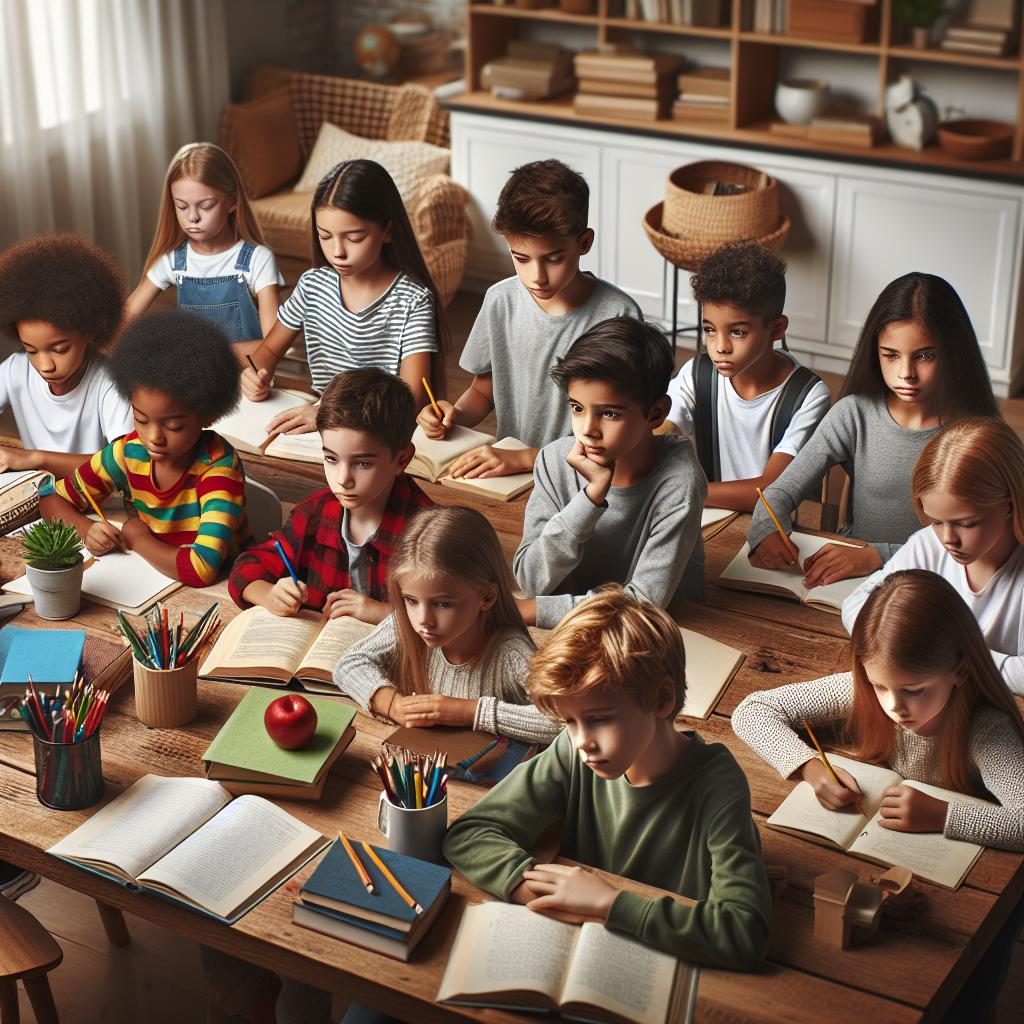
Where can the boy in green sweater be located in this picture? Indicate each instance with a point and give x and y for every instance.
(634, 796)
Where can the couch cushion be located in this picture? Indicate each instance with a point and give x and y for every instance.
(284, 218)
(262, 138)
(408, 163)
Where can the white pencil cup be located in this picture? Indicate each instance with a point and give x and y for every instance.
(415, 832)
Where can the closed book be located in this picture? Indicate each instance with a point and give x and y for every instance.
(697, 99)
(628, 107)
(983, 49)
(609, 87)
(618, 65)
(701, 114)
(51, 656)
(977, 33)
(707, 81)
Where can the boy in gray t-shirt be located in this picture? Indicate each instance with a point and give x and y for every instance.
(528, 321)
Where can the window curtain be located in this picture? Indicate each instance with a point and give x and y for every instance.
(95, 98)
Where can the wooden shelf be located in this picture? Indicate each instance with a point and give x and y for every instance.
(677, 30)
(777, 39)
(543, 14)
(967, 60)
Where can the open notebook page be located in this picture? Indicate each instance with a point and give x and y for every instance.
(248, 423)
(710, 664)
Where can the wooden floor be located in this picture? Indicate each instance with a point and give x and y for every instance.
(157, 979)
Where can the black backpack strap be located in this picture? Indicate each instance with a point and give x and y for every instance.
(705, 415)
(795, 390)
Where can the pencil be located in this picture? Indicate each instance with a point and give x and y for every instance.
(252, 363)
(89, 498)
(433, 400)
(394, 882)
(825, 761)
(357, 864)
(287, 564)
(790, 546)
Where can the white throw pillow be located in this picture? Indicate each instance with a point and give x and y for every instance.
(408, 163)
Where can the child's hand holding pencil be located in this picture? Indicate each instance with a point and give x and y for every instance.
(437, 418)
(835, 788)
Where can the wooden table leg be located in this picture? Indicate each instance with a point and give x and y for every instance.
(9, 1001)
(41, 998)
(113, 924)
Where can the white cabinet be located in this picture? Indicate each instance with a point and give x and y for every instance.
(855, 228)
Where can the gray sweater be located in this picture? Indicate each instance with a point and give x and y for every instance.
(859, 434)
(646, 536)
(495, 680)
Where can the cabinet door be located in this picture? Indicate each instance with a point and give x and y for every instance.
(484, 154)
(885, 229)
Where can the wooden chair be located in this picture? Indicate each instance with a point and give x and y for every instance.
(27, 954)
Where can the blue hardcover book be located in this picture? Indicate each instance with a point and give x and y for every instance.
(335, 885)
(50, 656)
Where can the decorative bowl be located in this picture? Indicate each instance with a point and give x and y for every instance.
(800, 100)
(975, 139)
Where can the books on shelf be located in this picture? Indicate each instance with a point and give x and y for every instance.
(848, 129)
(244, 759)
(984, 40)
(702, 13)
(508, 956)
(627, 65)
(533, 70)
(704, 113)
(634, 108)
(705, 82)
(334, 900)
(741, 575)
(930, 855)
(246, 428)
(610, 87)
(257, 646)
(188, 841)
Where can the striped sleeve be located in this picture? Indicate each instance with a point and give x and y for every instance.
(292, 312)
(418, 333)
(103, 474)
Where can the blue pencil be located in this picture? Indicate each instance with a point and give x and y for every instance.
(287, 564)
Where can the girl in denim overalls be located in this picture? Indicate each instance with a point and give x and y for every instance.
(209, 245)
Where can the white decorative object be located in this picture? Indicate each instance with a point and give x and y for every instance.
(911, 118)
(800, 100)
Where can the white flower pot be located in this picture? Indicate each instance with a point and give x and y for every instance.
(57, 592)
(800, 100)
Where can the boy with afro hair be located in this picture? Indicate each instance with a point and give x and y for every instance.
(748, 406)
(184, 482)
(60, 303)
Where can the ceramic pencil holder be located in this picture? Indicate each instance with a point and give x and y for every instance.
(165, 697)
(69, 776)
(414, 831)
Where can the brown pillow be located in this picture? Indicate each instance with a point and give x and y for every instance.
(263, 140)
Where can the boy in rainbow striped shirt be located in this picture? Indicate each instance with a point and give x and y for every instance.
(184, 482)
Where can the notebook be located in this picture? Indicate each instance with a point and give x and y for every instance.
(51, 656)
(246, 427)
(715, 520)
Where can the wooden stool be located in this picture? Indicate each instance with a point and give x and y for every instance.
(27, 953)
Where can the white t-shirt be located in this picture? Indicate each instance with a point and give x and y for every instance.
(84, 420)
(998, 606)
(744, 425)
(262, 267)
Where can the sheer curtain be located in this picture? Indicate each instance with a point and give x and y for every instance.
(95, 97)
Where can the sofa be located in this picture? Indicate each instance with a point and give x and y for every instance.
(272, 133)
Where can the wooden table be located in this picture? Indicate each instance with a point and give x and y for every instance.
(909, 972)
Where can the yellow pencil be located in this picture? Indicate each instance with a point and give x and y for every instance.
(790, 546)
(417, 783)
(433, 400)
(828, 764)
(364, 875)
(89, 498)
(394, 882)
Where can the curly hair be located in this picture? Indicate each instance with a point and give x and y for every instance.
(746, 275)
(183, 355)
(61, 280)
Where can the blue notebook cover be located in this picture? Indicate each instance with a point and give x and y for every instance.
(335, 878)
(358, 922)
(49, 655)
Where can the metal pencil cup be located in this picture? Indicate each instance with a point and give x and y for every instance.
(69, 776)
(165, 697)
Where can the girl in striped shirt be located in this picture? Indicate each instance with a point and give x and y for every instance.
(368, 301)
(184, 483)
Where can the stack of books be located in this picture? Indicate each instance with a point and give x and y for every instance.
(625, 83)
(703, 96)
(984, 40)
(407, 897)
(846, 129)
(529, 71)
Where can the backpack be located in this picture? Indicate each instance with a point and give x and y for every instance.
(705, 417)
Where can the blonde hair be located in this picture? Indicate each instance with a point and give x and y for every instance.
(447, 543)
(897, 626)
(213, 167)
(610, 640)
(979, 460)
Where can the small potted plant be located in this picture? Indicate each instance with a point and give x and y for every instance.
(54, 566)
(919, 16)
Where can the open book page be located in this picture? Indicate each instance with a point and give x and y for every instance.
(710, 665)
(801, 810)
(714, 520)
(146, 821)
(298, 447)
(433, 457)
(240, 854)
(258, 639)
(929, 855)
(336, 637)
(503, 488)
(502, 948)
(620, 975)
(246, 427)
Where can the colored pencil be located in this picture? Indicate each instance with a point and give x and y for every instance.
(790, 546)
(287, 563)
(433, 400)
(89, 498)
(358, 864)
(392, 881)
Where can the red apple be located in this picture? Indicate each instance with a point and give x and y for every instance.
(290, 721)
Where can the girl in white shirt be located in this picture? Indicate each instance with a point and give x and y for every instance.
(968, 485)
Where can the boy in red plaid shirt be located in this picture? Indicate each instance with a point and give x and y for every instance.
(340, 539)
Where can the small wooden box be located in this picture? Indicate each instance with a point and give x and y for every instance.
(844, 21)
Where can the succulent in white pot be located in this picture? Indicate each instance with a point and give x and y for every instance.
(52, 552)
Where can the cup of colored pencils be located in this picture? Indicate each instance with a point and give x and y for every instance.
(413, 809)
(165, 664)
(66, 741)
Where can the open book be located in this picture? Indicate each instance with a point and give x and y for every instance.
(188, 840)
(297, 447)
(434, 458)
(715, 520)
(501, 488)
(258, 646)
(246, 427)
(510, 957)
(741, 575)
(929, 855)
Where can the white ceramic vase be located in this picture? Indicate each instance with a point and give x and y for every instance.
(800, 100)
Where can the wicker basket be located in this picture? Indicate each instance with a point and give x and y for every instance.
(690, 212)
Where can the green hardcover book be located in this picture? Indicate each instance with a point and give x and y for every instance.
(244, 759)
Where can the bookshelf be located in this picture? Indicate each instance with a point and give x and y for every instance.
(754, 59)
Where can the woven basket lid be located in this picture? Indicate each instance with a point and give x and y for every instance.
(689, 252)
